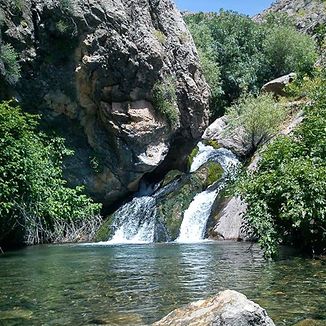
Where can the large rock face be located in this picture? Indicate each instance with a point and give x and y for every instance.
(90, 67)
(228, 308)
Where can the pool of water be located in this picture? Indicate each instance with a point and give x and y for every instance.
(138, 284)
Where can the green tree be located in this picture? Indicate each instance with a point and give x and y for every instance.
(35, 203)
(239, 55)
(288, 50)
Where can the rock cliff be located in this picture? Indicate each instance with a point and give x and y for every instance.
(308, 14)
(91, 68)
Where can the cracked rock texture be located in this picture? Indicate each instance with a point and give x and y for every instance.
(228, 308)
(89, 67)
(308, 14)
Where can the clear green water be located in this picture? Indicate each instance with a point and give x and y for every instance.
(138, 284)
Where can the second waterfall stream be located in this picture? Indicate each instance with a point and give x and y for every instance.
(195, 218)
(136, 221)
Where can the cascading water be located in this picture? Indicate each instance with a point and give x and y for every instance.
(136, 221)
(195, 218)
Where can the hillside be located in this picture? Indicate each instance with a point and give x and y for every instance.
(309, 15)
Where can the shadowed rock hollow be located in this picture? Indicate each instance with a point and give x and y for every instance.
(89, 67)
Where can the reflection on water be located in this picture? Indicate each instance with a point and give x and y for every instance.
(138, 284)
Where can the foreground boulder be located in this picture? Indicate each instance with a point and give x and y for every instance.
(228, 308)
(91, 68)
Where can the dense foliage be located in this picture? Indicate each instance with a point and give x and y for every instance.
(255, 120)
(286, 197)
(247, 53)
(35, 204)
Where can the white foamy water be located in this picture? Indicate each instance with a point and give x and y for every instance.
(195, 218)
(193, 226)
(135, 222)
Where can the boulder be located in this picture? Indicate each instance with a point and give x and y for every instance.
(217, 132)
(228, 308)
(230, 221)
(91, 67)
(277, 85)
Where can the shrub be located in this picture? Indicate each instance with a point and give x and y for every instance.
(164, 101)
(160, 36)
(255, 120)
(286, 197)
(62, 26)
(9, 58)
(35, 203)
(287, 50)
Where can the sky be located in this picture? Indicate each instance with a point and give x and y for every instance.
(250, 7)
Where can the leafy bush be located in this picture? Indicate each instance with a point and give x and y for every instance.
(255, 120)
(35, 203)
(9, 58)
(164, 101)
(286, 197)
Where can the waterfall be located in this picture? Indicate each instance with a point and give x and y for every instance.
(134, 222)
(195, 218)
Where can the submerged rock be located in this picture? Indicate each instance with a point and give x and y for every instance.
(90, 68)
(228, 308)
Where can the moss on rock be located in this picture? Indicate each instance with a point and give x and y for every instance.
(104, 232)
(192, 155)
(215, 172)
(173, 205)
(213, 143)
(171, 176)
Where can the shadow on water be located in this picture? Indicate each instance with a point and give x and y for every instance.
(138, 284)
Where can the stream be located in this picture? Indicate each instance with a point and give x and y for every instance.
(139, 284)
